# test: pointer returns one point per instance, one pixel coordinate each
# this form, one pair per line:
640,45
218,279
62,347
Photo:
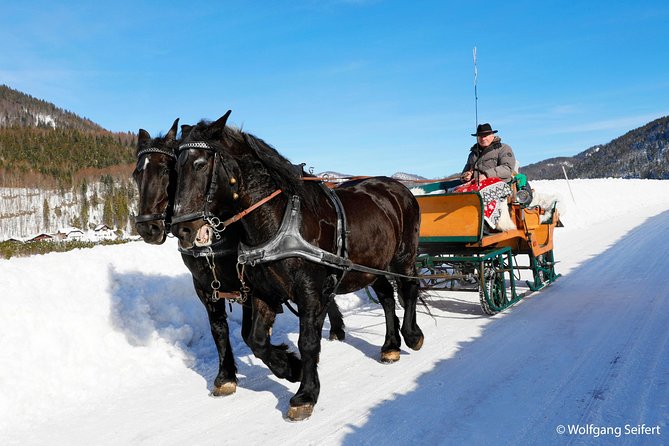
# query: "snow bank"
91,328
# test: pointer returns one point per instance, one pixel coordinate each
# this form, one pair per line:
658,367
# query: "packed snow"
110,346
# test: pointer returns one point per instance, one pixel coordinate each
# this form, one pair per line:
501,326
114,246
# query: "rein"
249,209
334,181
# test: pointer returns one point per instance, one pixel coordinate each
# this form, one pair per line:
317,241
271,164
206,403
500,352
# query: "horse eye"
200,164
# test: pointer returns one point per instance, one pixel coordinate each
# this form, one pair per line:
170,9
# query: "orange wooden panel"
450,215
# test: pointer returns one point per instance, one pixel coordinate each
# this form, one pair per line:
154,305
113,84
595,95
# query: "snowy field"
110,346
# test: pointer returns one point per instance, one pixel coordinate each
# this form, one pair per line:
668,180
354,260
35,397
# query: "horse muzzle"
194,233
152,232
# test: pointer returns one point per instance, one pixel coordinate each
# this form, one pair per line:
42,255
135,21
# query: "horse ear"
143,138
185,130
172,133
218,126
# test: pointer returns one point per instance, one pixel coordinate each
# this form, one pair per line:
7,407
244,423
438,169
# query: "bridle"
212,186
164,216
217,225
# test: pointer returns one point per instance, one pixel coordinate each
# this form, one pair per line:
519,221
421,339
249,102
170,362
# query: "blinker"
182,159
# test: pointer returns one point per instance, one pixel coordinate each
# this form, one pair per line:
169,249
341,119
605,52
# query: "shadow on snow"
591,348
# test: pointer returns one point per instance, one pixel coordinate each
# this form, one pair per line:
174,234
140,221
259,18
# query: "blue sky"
367,87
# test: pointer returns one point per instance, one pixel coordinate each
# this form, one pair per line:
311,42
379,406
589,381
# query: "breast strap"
288,242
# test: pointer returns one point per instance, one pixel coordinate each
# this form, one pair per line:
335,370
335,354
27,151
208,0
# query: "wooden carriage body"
455,244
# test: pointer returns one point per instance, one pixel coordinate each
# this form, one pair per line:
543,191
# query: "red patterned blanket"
494,192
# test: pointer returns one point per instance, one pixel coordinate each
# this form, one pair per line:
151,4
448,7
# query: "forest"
58,169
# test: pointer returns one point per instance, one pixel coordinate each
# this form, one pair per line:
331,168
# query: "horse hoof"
224,389
299,413
390,356
419,344
337,337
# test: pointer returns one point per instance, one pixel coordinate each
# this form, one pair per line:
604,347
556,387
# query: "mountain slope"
22,110
38,140
639,153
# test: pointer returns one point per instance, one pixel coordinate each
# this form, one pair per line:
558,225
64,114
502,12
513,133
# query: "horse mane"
171,146
285,174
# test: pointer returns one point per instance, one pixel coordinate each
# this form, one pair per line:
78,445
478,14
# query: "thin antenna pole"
476,110
476,94
568,185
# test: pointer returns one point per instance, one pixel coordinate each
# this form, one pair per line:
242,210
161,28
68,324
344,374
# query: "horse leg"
337,332
390,351
225,382
309,343
247,319
413,335
277,358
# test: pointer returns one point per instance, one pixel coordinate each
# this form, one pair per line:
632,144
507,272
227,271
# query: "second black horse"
155,177
225,174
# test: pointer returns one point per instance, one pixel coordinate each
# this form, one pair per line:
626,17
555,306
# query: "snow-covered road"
110,346
591,349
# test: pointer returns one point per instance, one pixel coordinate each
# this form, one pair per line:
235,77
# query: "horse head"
207,186
155,176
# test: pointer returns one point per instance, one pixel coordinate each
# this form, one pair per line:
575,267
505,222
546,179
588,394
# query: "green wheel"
543,271
492,292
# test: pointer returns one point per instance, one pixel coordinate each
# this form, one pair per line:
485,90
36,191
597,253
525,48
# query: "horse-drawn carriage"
288,238
456,246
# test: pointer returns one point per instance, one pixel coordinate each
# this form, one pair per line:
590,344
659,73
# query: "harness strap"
150,217
334,180
188,217
213,184
341,235
251,208
155,150
229,221
232,295
288,242
203,251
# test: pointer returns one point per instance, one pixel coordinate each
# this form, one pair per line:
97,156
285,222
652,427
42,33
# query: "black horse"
287,225
155,176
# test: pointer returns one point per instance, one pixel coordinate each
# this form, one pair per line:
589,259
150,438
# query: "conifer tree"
45,215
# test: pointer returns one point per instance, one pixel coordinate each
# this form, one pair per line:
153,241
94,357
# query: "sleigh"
457,251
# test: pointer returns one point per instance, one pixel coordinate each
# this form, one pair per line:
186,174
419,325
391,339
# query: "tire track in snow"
590,349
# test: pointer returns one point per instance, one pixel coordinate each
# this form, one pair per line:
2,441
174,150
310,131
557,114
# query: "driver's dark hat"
483,130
